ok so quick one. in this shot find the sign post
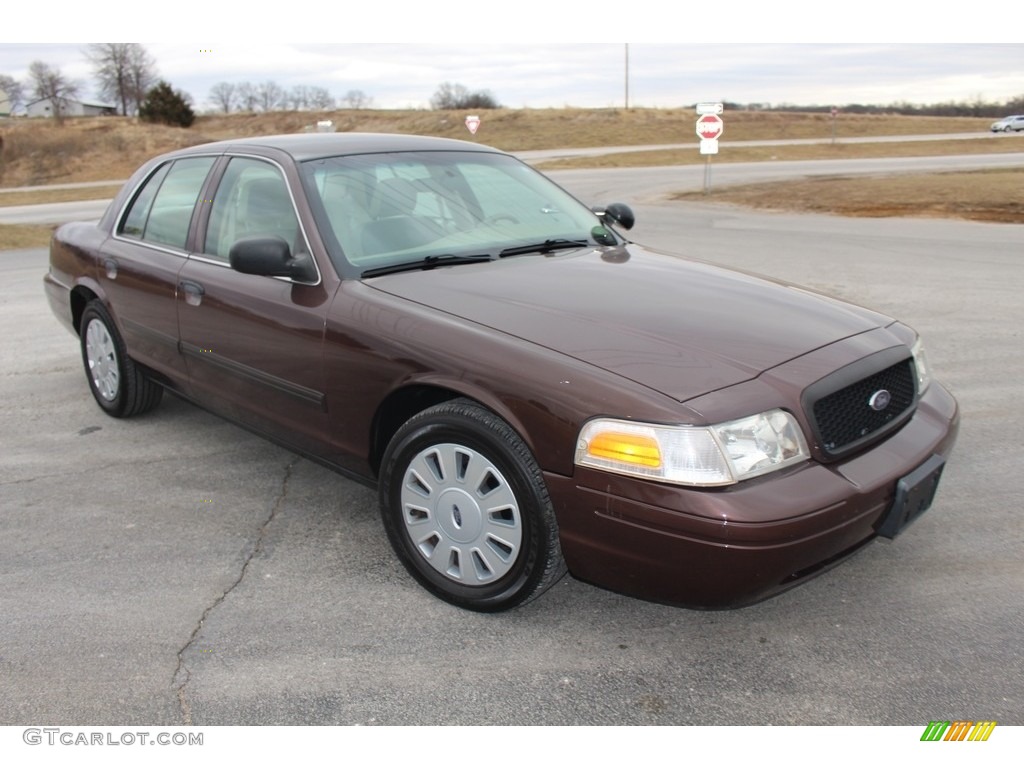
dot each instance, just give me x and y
(709, 128)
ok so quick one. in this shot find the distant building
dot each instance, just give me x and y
(72, 108)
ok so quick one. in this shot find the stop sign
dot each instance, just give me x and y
(710, 126)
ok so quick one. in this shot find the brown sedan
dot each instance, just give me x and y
(530, 391)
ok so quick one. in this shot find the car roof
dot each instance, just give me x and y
(308, 146)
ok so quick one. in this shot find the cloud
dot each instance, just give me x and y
(402, 75)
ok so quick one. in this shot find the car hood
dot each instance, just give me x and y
(680, 327)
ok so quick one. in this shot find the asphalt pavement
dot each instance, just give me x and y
(176, 570)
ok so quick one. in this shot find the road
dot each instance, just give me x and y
(631, 185)
(173, 569)
(649, 185)
(558, 154)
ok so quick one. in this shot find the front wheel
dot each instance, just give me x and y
(118, 385)
(465, 507)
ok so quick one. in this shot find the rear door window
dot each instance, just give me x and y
(162, 210)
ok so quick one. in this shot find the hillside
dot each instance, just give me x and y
(35, 152)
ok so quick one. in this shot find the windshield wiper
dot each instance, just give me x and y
(547, 245)
(427, 262)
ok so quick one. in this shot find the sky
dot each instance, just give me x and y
(540, 59)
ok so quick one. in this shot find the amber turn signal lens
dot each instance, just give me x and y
(639, 450)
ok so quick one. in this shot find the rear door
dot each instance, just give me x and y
(141, 262)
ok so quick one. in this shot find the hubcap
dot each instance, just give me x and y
(461, 514)
(102, 359)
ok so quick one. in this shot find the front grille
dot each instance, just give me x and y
(852, 414)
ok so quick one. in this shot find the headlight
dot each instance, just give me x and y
(721, 454)
(924, 370)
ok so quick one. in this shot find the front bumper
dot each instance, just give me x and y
(718, 548)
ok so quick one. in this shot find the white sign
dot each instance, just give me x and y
(473, 122)
(710, 126)
(710, 108)
(709, 146)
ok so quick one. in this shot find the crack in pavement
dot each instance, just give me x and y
(182, 674)
(91, 471)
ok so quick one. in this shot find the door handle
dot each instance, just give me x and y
(193, 292)
(111, 267)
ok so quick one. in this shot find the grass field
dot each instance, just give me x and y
(13, 236)
(37, 152)
(839, 151)
(991, 195)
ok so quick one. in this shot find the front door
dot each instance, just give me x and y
(254, 344)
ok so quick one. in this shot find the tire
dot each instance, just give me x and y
(466, 510)
(118, 385)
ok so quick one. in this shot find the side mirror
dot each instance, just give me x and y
(272, 257)
(618, 214)
(621, 214)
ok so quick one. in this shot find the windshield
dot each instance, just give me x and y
(405, 207)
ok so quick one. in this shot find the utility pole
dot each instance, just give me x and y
(627, 75)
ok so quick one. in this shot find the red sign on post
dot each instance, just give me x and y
(710, 126)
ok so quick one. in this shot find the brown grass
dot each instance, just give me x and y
(14, 236)
(46, 195)
(86, 149)
(992, 195)
(96, 149)
(732, 154)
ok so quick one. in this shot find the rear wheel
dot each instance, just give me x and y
(118, 385)
(465, 507)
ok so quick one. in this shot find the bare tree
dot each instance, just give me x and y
(223, 95)
(298, 97)
(448, 95)
(356, 99)
(142, 73)
(125, 71)
(248, 97)
(14, 95)
(270, 95)
(49, 83)
(457, 96)
(320, 98)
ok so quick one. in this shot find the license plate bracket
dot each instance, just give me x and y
(914, 494)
